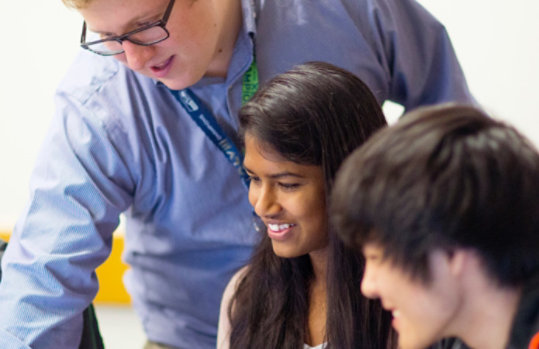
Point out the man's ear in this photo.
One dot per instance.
(458, 259)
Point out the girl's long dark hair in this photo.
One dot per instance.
(314, 114)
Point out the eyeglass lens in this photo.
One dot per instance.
(147, 36)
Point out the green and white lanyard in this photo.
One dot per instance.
(203, 117)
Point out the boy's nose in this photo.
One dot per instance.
(368, 283)
(136, 56)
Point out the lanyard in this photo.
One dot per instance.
(203, 117)
(250, 82)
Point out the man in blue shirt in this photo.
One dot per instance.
(131, 134)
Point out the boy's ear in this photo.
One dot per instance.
(458, 258)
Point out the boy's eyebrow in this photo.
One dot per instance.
(152, 16)
(132, 22)
(276, 175)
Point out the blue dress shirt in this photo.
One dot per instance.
(120, 142)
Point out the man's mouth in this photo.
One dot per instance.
(161, 69)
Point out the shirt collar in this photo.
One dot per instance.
(249, 8)
(243, 51)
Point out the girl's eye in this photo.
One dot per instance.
(289, 186)
(254, 179)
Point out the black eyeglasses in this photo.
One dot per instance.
(146, 35)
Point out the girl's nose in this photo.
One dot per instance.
(264, 201)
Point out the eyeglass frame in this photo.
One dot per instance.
(121, 38)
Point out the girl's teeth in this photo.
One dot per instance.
(279, 227)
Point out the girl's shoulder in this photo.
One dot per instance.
(223, 333)
(234, 283)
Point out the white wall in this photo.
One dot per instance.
(497, 42)
(39, 39)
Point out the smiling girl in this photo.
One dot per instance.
(301, 286)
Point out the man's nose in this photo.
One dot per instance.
(136, 56)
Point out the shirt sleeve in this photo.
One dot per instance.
(78, 188)
(417, 53)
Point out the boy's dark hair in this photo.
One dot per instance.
(444, 177)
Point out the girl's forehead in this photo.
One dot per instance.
(265, 149)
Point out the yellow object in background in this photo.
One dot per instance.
(109, 274)
(4, 236)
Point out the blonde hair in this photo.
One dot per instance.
(76, 4)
